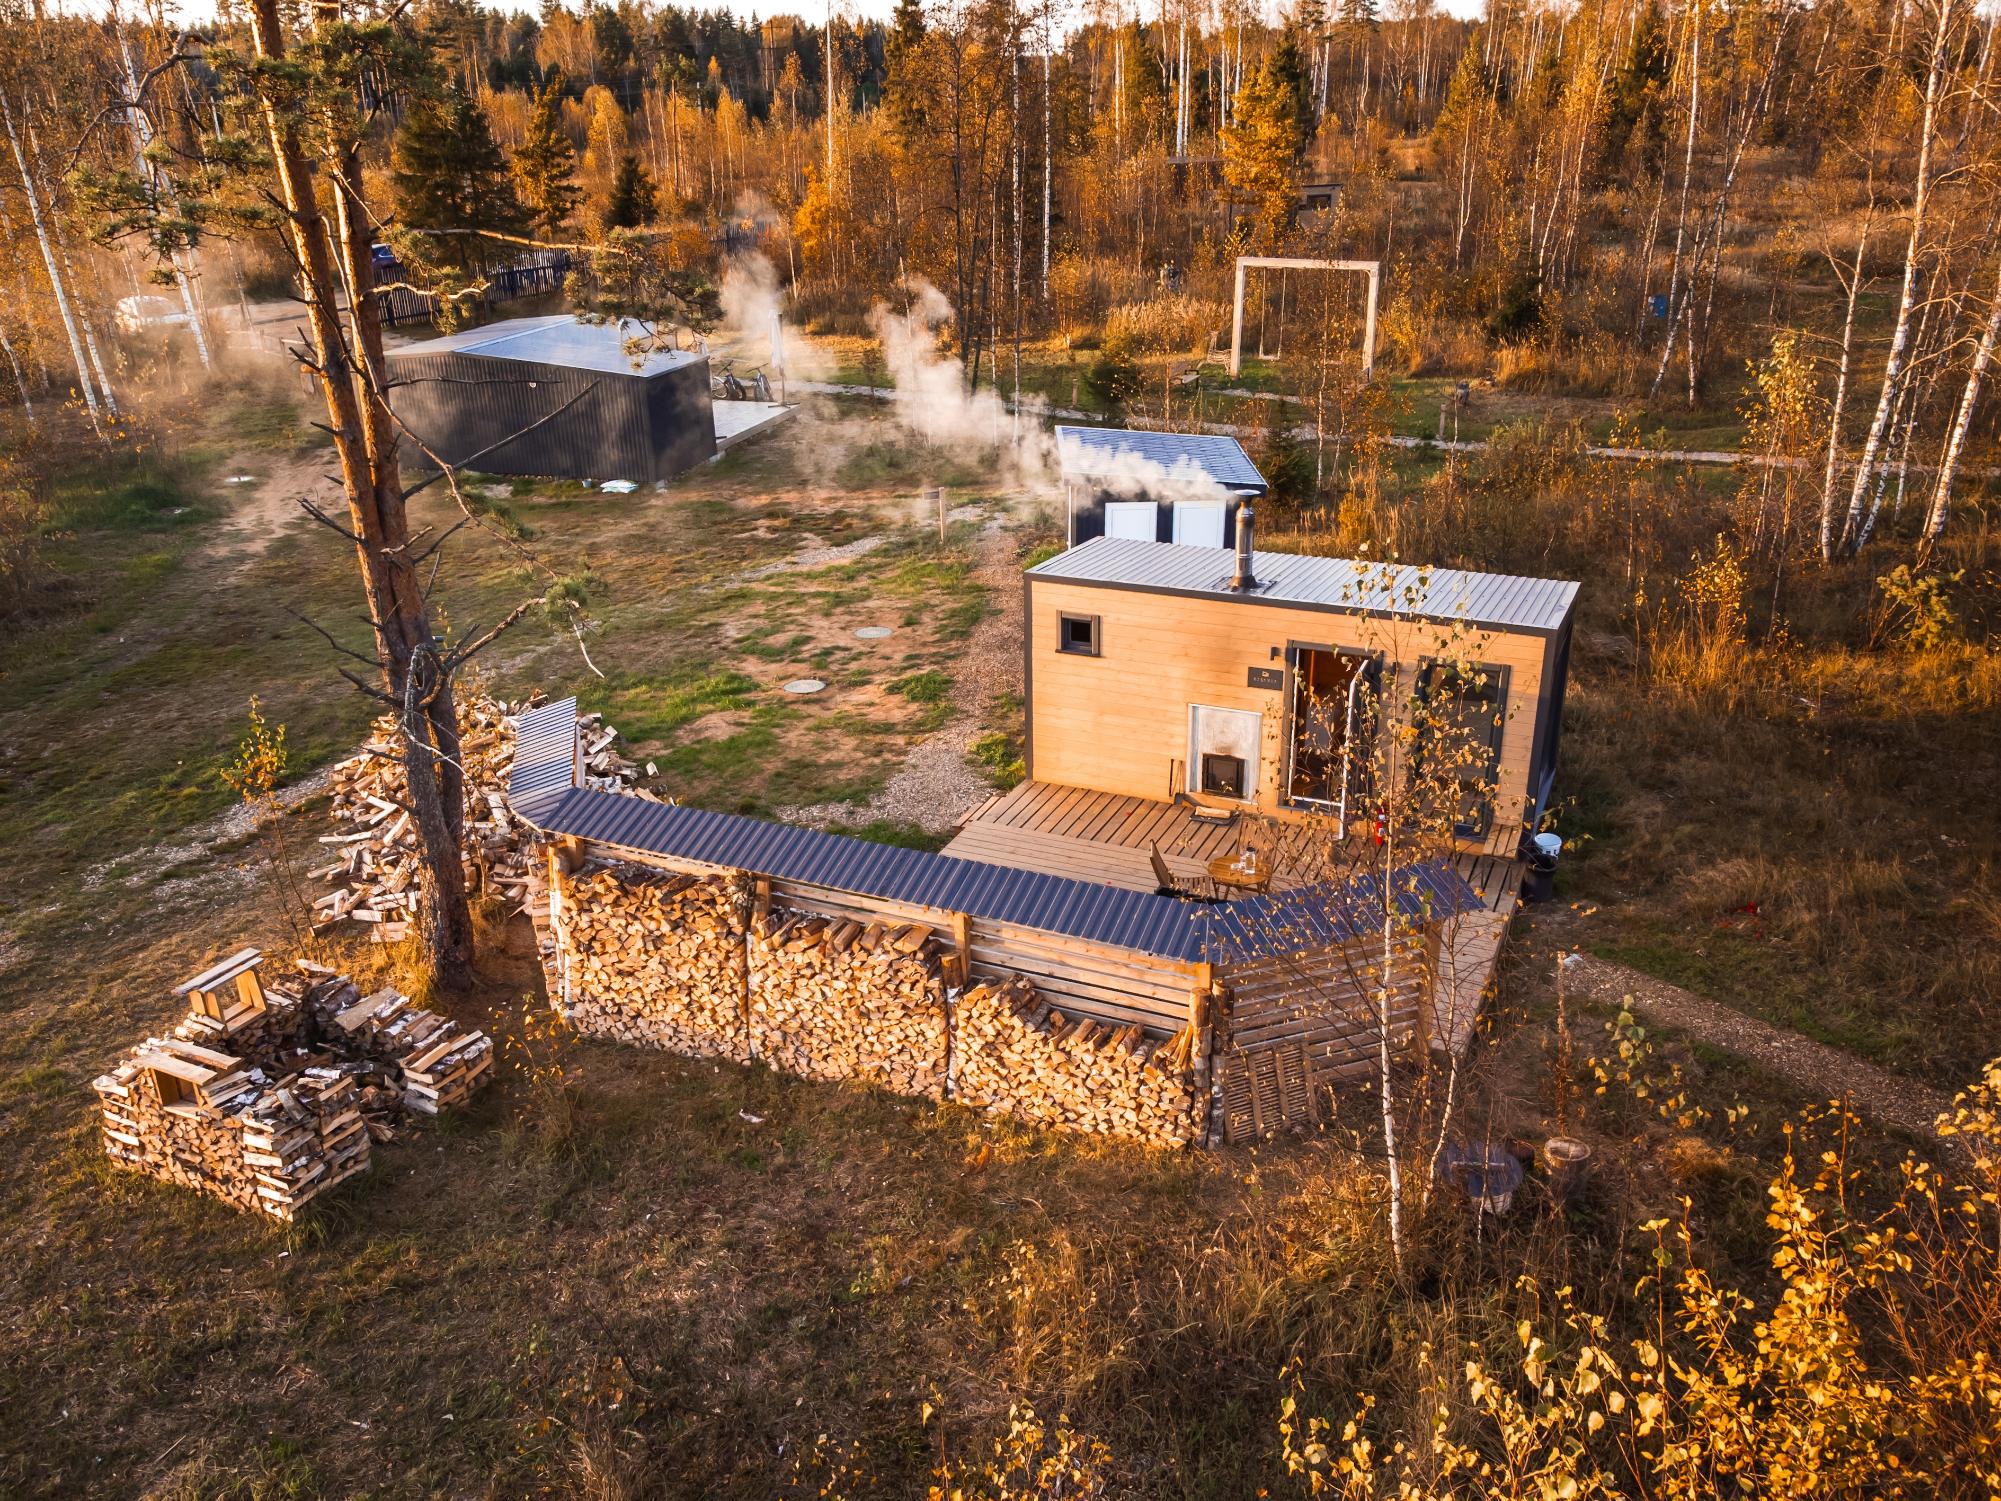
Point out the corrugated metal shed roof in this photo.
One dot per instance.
(545, 751)
(1162, 926)
(1503, 601)
(556, 340)
(1090, 452)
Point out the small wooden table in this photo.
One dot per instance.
(1243, 871)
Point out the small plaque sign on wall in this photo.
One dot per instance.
(1267, 677)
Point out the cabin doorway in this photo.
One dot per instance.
(1330, 749)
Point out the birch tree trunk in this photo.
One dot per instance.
(1837, 409)
(20, 380)
(142, 137)
(1962, 419)
(63, 307)
(1852, 532)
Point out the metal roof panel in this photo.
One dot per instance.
(555, 340)
(1499, 601)
(1097, 452)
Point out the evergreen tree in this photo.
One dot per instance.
(1291, 77)
(903, 60)
(450, 178)
(545, 164)
(1261, 149)
(632, 202)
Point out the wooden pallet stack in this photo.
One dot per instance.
(432, 1061)
(834, 998)
(653, 958)
(373, 865)
(205, 1120)
(1014, 1053)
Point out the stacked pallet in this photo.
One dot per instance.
(834, 998)
(1014, 1053)
(429, 1058)
(375, 871)
(653, 958)
(202, 1119)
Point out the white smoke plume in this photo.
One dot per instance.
(753, 324)
(932, 402)
(1131, 476)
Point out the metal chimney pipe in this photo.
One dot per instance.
(1243, 580)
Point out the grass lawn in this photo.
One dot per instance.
(673, 1276)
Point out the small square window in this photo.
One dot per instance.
(1222, 776)
(1077, 634)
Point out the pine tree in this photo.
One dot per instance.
(903, 63)
(545, 164)
(450, 178)
(632, 201)
(1261, 147)
(1290, 76)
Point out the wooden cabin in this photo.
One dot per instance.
(1162, 487)
(1157, 671)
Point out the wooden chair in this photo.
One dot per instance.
(1170, 884)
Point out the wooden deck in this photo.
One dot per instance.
(1105, 836)
(1091, 836)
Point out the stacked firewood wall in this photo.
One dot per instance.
(678, 962)
(1015, 1053)
(840, 999)
(654, 958)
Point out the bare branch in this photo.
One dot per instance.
(327, 521)
(331, 640)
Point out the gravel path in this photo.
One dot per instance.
(817, 555)
(1829, 1073)
(935, 787)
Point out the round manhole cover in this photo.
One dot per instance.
(804, 685)
(874, 632)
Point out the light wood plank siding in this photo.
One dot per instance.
(1118, 721)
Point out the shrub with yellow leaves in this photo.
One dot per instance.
(1875, 1369)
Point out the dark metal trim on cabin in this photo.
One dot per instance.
(1549, 723)
(1028, 675)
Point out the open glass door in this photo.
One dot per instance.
(1334, 693)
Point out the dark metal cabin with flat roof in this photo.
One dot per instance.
(1154, 487)
(553, 397)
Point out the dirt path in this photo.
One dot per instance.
(935, 786)
(257, 514)
(1829, 1073)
